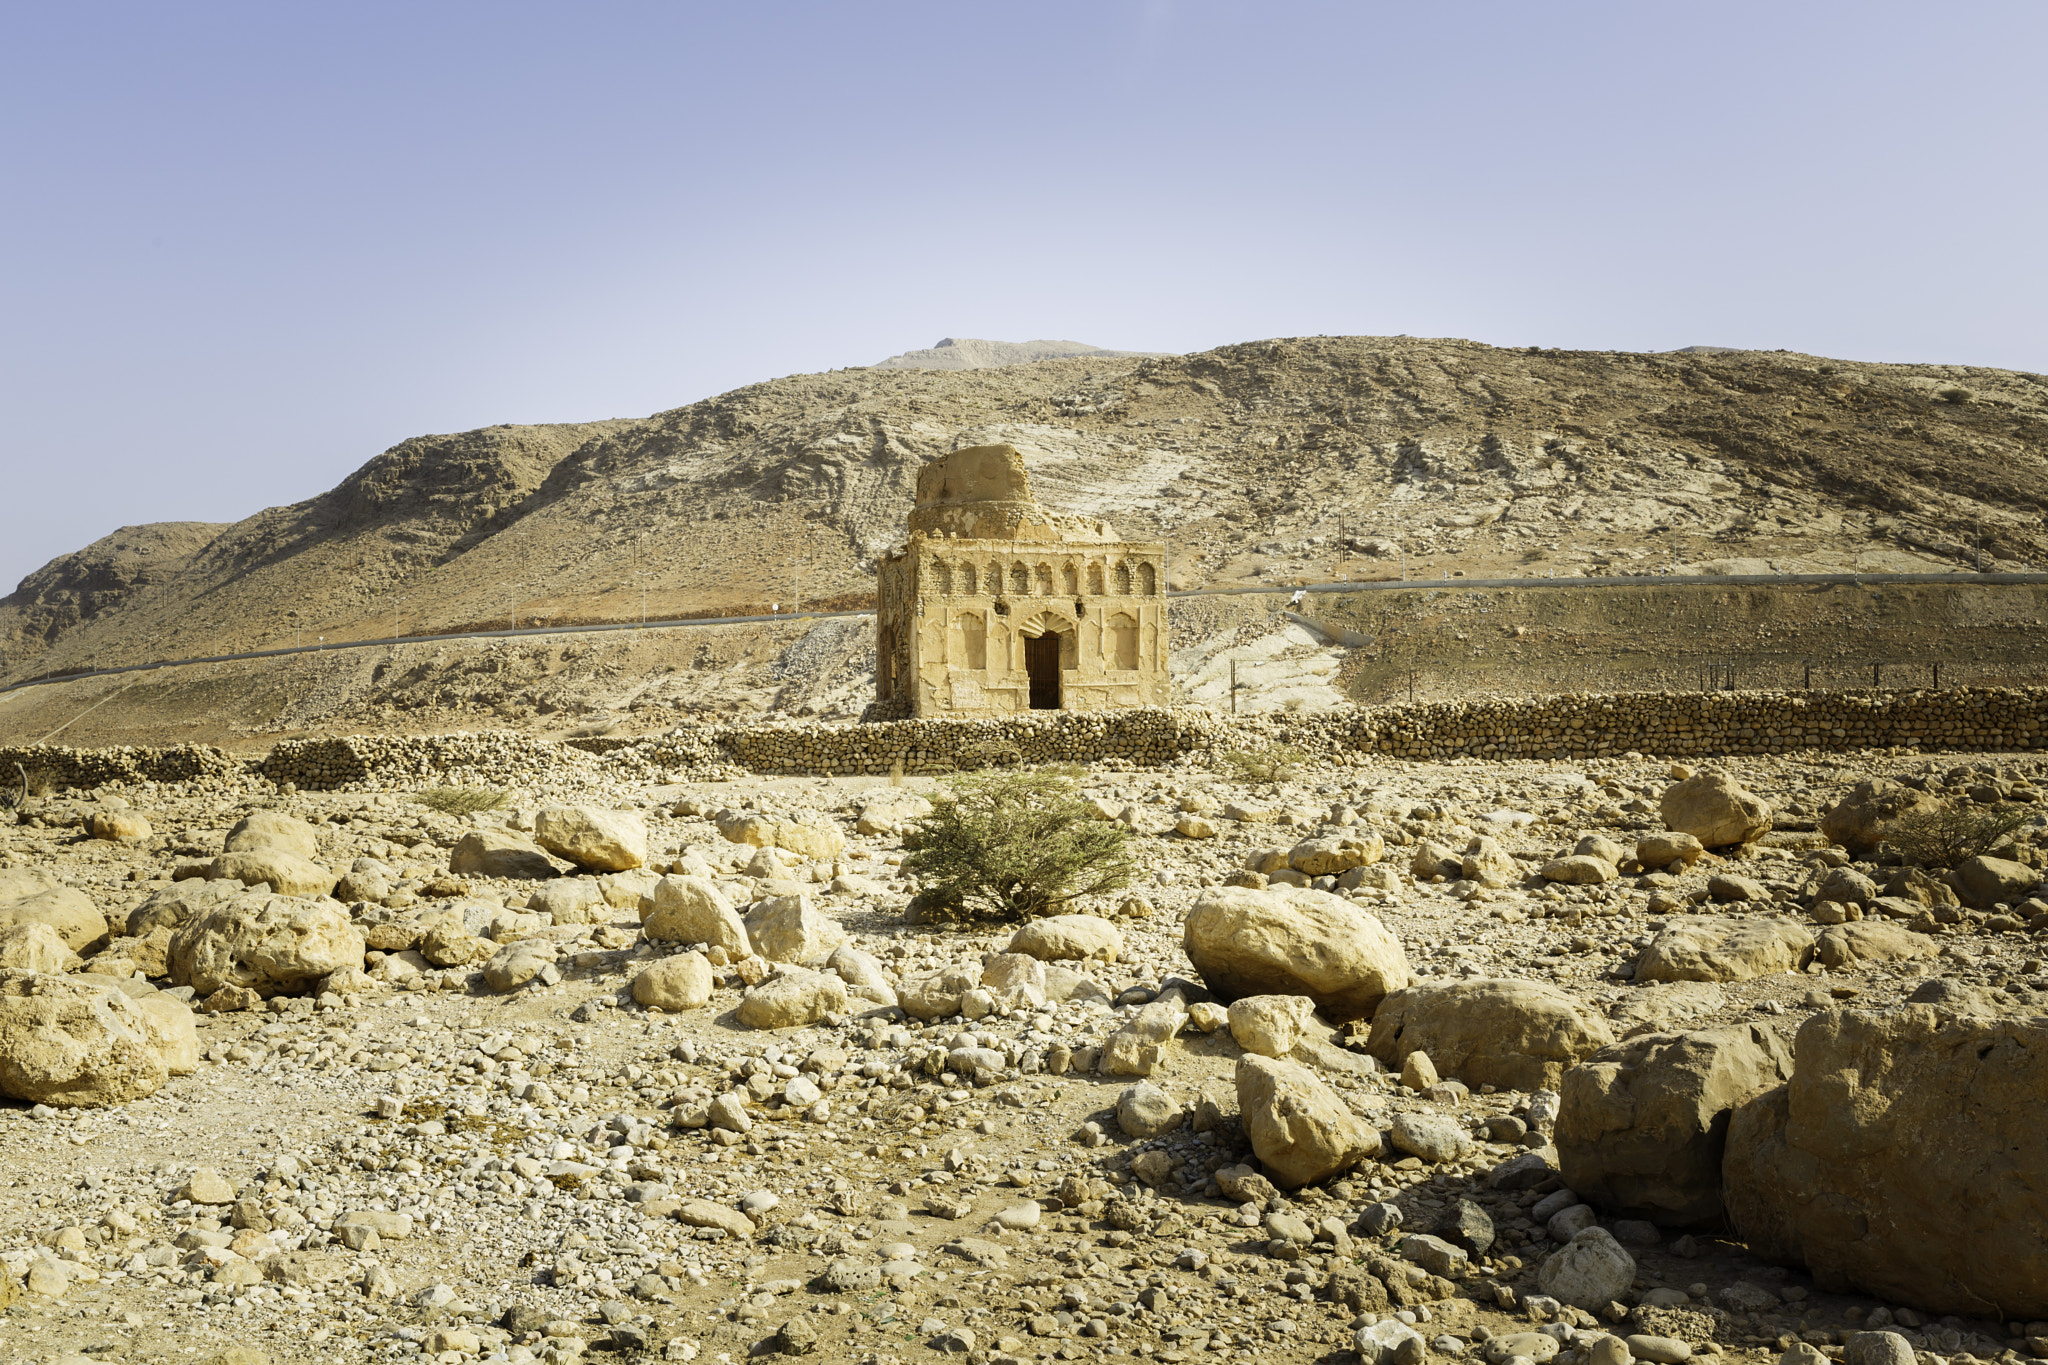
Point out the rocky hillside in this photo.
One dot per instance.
(1272, 461)
(970, 353)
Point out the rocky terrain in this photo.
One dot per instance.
(1265, 462)
(969, 353)
(1519, 1061)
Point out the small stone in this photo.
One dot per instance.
(1589, 1272)
(1418, 1072)
(1569, 1222)
(1146, 1111)
(1671, 1351)
(797, 1337)
(1377, 1220)
(1876, 1348)
(207, 1186)
(1430, 1136)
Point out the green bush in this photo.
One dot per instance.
(461, 800)
(1273, 763)
(1955, 832)
(1013, 845)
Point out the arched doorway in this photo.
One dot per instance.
(1042, 666)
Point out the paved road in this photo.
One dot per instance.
(1384, 585)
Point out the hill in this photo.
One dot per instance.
(1267, 461)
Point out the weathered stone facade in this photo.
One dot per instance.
(996, 607)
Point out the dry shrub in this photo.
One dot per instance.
(461, 800)
(1274, 763)
(1013, 845)
(1955, 832)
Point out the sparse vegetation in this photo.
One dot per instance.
(462, 800)
(1957, 396)
(39, 782)
(1955, 832)
(1274, 763)
(1014, 845)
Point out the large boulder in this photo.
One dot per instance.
(1516, 1035)
(1332, 855)
(937, 995)
(1068, 938)
(1138, 1048)
(274, 831)
(1579, 869)
(172, 1029)
(1713, 948)
(694, 910)
(1845, 947)
(1271, 1025)
(17, 882)
(1642, 1124)
(35, 947)
(175, 905)
(1658, 851)
(571, 900)
(815, 838)
(675, 984)
(1987, 881)
(287, 874)
(593, 839)
(1903, 1160)
(271, 945)
(1294, 941)
(67, 1042)
(1847, 886)
(515, 964)
(890, 810)
(789, 929)
(1488, 864)
(498, 853)
(1715, 809)
(1871, 813)
(120, 826)
(793, 999)
(68, 912)
(1300, 1130)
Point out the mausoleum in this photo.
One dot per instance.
(996, 606)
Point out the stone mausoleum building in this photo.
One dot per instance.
(997, 606)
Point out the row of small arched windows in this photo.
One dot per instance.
(968, 579)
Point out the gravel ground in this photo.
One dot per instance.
(527, 1139)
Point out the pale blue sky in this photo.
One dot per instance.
(246, 247)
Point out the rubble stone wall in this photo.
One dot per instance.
(1674, 725)
(61, 766)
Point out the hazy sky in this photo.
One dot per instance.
(246, 247)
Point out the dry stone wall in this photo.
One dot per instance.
(1674, 725)
(66, 767)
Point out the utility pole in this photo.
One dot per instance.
(514, 587)
(1233, 687)
(396, 603)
